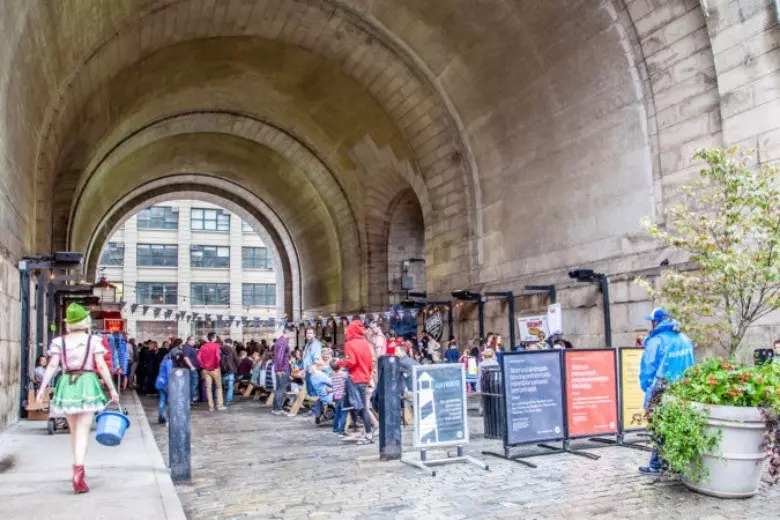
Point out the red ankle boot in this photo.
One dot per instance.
(79, 485)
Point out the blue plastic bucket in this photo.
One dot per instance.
(111, 427)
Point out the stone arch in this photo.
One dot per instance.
(232, 197)
(405, 240)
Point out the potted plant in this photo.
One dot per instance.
(715, 425)
(718, 425)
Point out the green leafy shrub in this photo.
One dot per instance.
(678, 426)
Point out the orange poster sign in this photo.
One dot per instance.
(591, 395)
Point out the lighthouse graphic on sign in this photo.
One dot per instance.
(429, 431)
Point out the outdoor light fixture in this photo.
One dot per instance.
(589, 275)
(466, 295)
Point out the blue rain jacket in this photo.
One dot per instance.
(668, 352)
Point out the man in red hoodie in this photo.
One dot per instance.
(359, 360)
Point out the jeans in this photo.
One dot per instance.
(340, 416)
(194, 385)
(213, 377)
(366, 411)
(162, 402)
(229, 380)
(282, 382)
(310, 386)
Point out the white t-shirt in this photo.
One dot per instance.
(76, 345)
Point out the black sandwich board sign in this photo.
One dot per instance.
(533, 396)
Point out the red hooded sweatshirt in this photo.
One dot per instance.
(357, 353)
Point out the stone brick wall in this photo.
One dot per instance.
(10, 352)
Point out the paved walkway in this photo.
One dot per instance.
(249, 464)
(129, 481)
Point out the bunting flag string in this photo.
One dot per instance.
(145, 309)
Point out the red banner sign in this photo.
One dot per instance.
(114, 325)
(591, 394)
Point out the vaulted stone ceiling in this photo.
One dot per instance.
(528, 129)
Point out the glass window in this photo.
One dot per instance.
(209, 256)
(246, 227)
(113, 254)
(158, 217)
(156, 293)
(158, 255)
(258, 295)
(210, 293)
(209, 219)
(120, 290)
(255, 258)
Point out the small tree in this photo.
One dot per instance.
(729, 223)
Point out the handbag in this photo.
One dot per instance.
(352, 395)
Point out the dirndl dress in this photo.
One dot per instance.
(78, 390)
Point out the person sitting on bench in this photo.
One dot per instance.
(323, 387)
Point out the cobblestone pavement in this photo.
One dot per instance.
(247, 463)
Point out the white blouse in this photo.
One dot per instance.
(76, 345)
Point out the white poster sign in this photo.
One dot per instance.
(555, 318)
(529, 327)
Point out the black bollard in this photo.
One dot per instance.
(389, 386)
(179, 424)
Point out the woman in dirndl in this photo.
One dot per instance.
(78, 394)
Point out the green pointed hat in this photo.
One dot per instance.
(76, 313)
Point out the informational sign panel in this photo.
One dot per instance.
(529, 327)
(533, 393)
(631, 394)
(591, 393)
(440, 405)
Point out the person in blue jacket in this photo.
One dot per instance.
(668, 353)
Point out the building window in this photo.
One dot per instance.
(157, 255)
(259, 295)
(209, 219)
(120, 290)
(255, 258)
(113, 254)
(210, 256)
(210, 293)
(158, 217)
(155, 293)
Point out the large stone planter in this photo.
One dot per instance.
(735, 472)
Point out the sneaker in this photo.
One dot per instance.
(222, 408)
(317, 420)
(161, 420)
(368, 439)
(277, 412)
(212, 409)
(648, 470)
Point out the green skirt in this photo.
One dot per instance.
(78, 393)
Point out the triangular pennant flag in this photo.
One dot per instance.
(363, 318)
(324, 322)
(168, 313)
(376, 316)
(189, 318)
(133, 307)
(145, 309)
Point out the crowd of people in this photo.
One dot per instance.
(340, 382)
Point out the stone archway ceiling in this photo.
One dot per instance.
(425, 127)
(282, 187)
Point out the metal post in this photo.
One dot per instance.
(25, 337)
(511, 310)
(179, 425)
(604, 281)
(481, 317)
(39, 315)
(449, 318)
(389, 388)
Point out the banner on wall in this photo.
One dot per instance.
(555, 318)
(591, 392)
(631, 395)
(529, 327)
(533, 393)
(432, 324)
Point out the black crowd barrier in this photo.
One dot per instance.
(493, 402)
